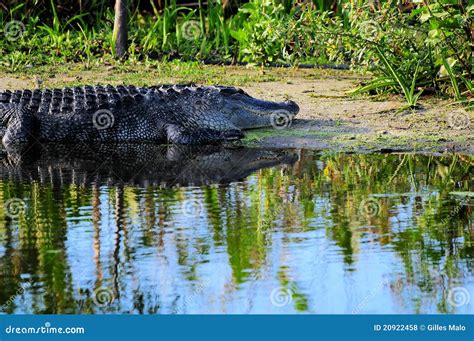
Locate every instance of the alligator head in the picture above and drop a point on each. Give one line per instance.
(223, 108)
(247, 112)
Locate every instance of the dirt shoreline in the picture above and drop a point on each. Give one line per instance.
(329, 119)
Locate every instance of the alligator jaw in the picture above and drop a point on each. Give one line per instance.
(261, 107)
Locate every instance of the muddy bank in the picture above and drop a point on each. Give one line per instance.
(329, 119)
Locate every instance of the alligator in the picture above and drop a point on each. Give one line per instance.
(178, 114)
(138, 164)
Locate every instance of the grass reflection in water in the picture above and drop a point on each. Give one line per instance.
(237, 231)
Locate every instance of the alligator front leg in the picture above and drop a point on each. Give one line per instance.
(18, 123)
(185, 135)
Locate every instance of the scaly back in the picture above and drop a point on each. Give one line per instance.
(87, 99)
(76, 100)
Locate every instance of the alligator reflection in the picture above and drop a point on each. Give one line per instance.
(338, 233)
(140, 164)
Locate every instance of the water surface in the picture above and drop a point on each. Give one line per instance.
(164, 231)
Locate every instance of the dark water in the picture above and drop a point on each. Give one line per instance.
(144, 229)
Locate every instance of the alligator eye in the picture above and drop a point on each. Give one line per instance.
(229, 91)
(242, 92)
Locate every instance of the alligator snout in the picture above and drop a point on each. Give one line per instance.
(292, 107)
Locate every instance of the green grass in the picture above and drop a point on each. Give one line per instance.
(393, 78)
(406, 51)
(149, 73)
